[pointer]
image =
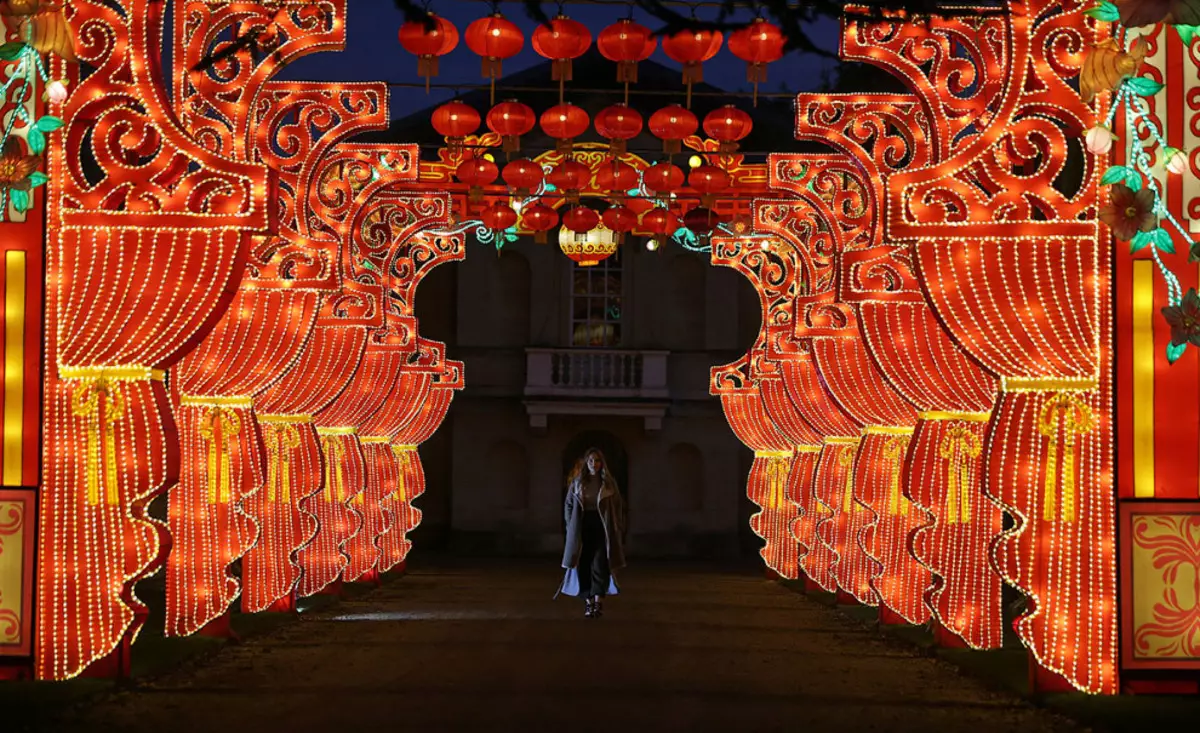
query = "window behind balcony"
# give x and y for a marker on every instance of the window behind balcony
(596, 304)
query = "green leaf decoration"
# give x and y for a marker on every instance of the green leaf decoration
(1174, 351)
(1141, 240)
(1144, 85)
(37, 178)
(12, 50)
(49, 123)
(1115, 174)
(368, 264)
(36, 140)
(1104, 11)
(20, 199)
(1162, 240)
(1187, 33)
(1134, 181)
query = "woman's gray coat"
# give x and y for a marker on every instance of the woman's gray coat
(612, 513)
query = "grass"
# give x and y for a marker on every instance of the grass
(1007, 669)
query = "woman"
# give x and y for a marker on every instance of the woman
(595, 516)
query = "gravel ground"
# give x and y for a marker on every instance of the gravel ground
(485, 648)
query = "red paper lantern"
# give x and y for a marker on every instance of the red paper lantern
(671, 125)
(510, 120)
(476, 173)
(564, 123)
(523, 175)
(494, 39)
(580, 219)
(427, 40)
(663, 178)
(660, 222)
(626, 43)
(569, 177)
(498, 216)
(727, 124)
(564, 39)
(708, 180)
(758, 44)
(692, 48)
(617, 177)
(620, 219)
(454, 121)
(701, 221)
(619, 124)
(539, 219)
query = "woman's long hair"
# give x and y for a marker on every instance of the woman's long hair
(581, 465)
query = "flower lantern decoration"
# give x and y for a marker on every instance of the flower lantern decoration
(671, 125)
(564, 123)
(539, 219)
(758, 44)
(561, 41)
(692, 48)
(663, 178)
(510, 120)
(619, 124)
(494, 39)
(727, 125)
(476, 173)
(569, 177)
(621, 220)
(626, 43)
(590, 242)
(427, 40)
(708, 181)
(617, 177)
(523, 176)
(454, 121)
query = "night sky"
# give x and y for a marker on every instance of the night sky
(374, 54)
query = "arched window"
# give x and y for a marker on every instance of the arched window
(685, 478)
(507, 466)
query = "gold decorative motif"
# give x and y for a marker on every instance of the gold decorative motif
(959, 447)
(219, 427)
(1077, 419)
(281, 440)
(955, 415)
(846, 461)
(1047, 384)
(894, 453)
(101, 403)
(335, 472)
(404, 455)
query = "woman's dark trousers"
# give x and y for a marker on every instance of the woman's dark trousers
(593, 557)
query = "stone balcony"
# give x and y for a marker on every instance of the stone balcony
(596, 382)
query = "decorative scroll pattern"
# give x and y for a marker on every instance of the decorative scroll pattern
(1163, 602)
(16, 570)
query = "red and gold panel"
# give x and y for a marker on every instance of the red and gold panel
(17, 530)
(833, 507)
(1160, 585)
(324, 558)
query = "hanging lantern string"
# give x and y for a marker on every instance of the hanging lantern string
(457, 88)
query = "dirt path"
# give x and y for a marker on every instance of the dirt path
(486, 649)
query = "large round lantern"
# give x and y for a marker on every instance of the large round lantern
(662, 178)
(454, 121)
(671, 125)
(522, 176)
(619, 124)
(427, 40)
(758, 44)
(564, 123)
(498, 216)
(569, 177)
(620, 219)
(476, 173)
(661, 223)
(626, 43)
(708, 181)
(494, 39)
(539, 219)
(692, 48)
(564, 39)
(615, 176)
(510, 120)
(727, 125)
(590, 243)
(701, 221)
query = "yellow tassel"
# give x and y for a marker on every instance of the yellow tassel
(1077, 420)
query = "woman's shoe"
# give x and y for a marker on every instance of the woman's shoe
(597, 607)
(589, 611)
